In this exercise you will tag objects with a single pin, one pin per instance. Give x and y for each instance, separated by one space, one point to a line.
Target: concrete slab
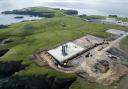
116 32
88 41
72 49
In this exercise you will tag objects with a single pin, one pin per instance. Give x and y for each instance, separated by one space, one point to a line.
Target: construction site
88 57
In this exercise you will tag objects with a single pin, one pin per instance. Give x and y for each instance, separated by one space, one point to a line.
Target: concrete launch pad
72 49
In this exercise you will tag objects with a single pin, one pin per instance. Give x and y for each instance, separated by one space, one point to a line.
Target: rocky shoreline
31 13
9 68
38 82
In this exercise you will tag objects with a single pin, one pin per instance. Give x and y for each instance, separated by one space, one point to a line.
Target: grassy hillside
31 36
55 11
93 17
124 44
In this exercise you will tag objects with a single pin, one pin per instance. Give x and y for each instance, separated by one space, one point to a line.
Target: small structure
66 51
116 32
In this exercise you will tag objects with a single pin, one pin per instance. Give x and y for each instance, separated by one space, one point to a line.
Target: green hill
29 37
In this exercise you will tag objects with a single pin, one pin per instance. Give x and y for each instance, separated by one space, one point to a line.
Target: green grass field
93 17
55 11
124 44
29 37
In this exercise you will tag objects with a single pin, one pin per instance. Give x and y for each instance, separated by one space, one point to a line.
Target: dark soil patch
3 52
3 26
9 68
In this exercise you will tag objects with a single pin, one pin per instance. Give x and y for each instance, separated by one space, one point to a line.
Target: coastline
30 36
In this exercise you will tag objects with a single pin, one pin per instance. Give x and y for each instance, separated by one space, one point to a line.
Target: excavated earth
123 57
108 68
103 68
